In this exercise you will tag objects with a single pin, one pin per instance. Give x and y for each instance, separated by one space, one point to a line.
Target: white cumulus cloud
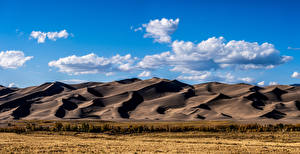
272 83
13 59
154 61
11 85
204 76
208 60
296 75
215 53
246 80
55 35
91 64
144 74
41 36
262 83
160 30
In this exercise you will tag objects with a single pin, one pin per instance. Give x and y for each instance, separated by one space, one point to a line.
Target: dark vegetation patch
142 127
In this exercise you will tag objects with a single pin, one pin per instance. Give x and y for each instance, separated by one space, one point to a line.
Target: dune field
151 100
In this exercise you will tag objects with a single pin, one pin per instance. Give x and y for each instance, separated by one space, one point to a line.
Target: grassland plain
148 137
166 142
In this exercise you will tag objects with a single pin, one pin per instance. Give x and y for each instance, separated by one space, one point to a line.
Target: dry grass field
147 137
181 142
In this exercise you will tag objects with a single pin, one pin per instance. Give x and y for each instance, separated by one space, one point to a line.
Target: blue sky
97 31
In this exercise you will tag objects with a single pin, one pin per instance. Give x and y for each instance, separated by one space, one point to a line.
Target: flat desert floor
187 142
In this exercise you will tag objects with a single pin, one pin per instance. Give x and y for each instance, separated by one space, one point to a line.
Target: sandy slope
153 99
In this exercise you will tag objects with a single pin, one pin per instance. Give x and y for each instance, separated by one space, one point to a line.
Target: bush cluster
140 128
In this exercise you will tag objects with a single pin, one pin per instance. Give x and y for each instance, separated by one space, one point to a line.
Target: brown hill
153 99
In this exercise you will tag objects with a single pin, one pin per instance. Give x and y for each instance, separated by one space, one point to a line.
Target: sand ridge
152 99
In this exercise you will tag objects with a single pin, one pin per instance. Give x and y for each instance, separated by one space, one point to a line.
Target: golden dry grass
184 142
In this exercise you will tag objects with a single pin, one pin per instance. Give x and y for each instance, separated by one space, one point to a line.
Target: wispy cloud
272 83
19 32
73 81
136 29
291 48
144 74
209 76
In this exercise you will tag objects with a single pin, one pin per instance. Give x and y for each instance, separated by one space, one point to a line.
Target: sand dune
153 99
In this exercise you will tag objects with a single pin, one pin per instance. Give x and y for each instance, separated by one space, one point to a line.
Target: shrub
58 126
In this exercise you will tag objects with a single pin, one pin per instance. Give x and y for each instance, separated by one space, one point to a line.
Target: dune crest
152 99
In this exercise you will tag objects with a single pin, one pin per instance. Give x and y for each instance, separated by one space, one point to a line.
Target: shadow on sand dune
152 99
